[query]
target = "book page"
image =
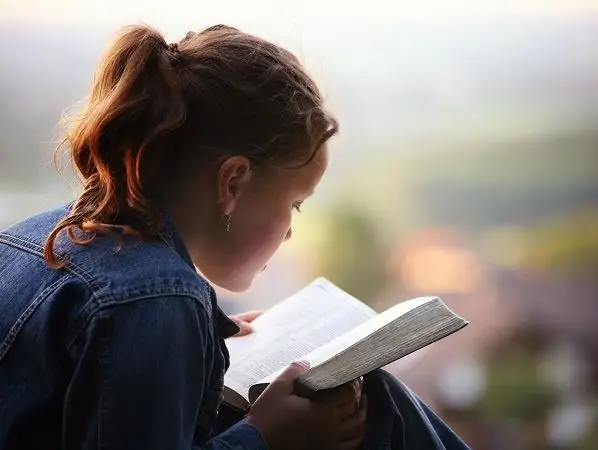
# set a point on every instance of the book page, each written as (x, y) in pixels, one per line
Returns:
(387, 337)
(333, 348)
(321, 354)
(400, 337)
(293, 328)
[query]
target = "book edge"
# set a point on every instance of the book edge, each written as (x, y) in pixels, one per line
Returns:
(462, 323)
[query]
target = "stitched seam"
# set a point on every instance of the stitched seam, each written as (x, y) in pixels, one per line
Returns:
(227, 445)
(88, 279)
(104, 401)
(80, 273)
(102, 306)
(38, 251)
(25, 315)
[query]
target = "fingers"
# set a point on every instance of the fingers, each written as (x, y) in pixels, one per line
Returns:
(243, 321)
(355, 439)
(363, 406)
(355, 426)
(286, 380)
(357, 386)
(244, 327)
(248, 316)
(347, 410)
(346, 396)
(353, 443)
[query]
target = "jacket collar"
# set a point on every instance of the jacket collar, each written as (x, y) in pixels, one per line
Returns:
(225, 327)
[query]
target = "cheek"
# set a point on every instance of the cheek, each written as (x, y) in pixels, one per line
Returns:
(265, 234)
(273, 230)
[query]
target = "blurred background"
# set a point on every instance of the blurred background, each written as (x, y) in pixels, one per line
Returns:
(466, 167)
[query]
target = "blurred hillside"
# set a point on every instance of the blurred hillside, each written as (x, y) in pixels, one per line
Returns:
(408, 88)
(461, 125)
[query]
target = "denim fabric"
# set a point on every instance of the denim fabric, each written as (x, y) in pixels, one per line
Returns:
(125, 350)
(119, 350)
(397, 419)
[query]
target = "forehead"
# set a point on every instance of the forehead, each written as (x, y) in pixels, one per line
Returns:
(303, 179)
(310, 175)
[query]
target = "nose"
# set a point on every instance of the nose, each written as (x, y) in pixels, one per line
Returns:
(288, 235)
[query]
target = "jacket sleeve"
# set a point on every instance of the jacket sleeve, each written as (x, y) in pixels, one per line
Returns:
(139, 379)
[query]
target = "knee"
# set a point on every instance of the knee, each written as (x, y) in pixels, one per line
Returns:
(384, 377)
(382, 381)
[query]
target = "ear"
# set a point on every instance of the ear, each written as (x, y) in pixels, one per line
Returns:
(232, 178)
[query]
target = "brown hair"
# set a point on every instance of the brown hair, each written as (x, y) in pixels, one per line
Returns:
(156, 109)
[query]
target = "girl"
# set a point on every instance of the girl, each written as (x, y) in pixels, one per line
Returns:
(193, 157)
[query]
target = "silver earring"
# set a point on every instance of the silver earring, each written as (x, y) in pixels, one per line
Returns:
(226, 219)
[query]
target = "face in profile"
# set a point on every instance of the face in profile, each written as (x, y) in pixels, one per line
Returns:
(261, 204)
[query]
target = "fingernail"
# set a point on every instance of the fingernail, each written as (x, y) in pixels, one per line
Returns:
(304, 364)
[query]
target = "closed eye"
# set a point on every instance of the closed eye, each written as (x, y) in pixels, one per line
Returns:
(297, 207)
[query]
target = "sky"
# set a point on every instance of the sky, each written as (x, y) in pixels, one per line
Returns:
(345, 47)
(177, 15)
(301, 25)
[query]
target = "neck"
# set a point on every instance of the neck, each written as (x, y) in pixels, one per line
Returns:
(198, 226)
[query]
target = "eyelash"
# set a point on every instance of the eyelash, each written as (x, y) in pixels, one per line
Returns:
(297, 207)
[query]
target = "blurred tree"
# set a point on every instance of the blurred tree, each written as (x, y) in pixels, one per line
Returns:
(590, 440)
(353, 254)
(567, 243)
(515, 386)
(479, 184)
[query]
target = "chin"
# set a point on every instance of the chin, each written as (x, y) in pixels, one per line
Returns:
(237, 285)
(238, 288)
(233, 282)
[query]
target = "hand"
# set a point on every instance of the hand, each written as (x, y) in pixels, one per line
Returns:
(244, 320)
(333, 420)
(353, 390)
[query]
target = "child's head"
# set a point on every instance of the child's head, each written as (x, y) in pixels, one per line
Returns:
(224, 131)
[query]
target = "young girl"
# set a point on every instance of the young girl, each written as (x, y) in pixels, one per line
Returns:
(193, 157)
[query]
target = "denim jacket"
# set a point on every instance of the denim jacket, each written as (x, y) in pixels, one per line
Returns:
(118, 350)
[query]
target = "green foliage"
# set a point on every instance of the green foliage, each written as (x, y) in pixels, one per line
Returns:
(563, 160)
(515, 388)
(566, 243)
(589, 440)
(476, 184)
(353, 255)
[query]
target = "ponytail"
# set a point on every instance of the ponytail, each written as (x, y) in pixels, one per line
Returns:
(135, 99)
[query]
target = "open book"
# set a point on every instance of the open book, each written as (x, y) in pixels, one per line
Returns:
(338, 335)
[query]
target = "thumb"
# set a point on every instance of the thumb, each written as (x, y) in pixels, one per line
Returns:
(244, 327)
(286, 380)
